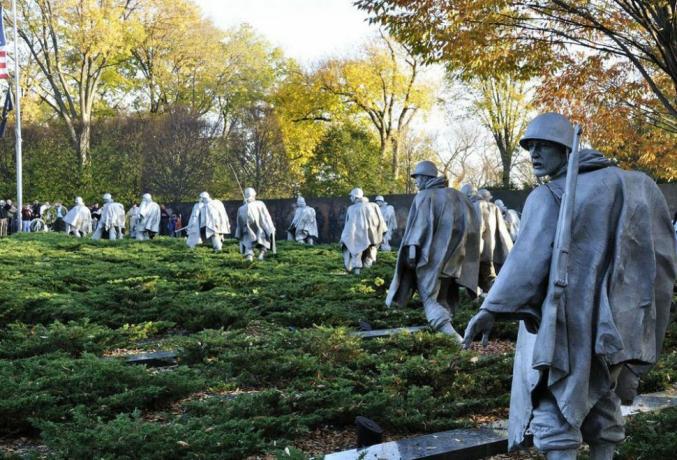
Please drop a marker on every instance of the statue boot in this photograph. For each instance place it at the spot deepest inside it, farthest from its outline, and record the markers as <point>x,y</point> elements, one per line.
<point>602,451</point>
<point>262,254</point>
<point>448,329</point>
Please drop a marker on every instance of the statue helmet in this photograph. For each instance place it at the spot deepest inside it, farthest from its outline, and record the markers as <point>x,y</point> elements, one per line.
<point>379,198</point>
<point>500,205</point>
<point>204,196</point>
<point>425,168</point>
<point>249,193</point>
<point>107,197</point>
<point>78,201</point>
<point>356,193</point>
<point>300,201</point>
<point>484,194</point>
<point>147,197</point>
<point>468,190</point>
<point>551,127</point>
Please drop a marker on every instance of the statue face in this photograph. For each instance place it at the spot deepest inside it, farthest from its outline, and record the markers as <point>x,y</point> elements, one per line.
<point>420,181</point>
<point>547,158</point>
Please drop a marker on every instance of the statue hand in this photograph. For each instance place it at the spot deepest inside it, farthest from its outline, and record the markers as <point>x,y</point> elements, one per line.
<point>482,323</point>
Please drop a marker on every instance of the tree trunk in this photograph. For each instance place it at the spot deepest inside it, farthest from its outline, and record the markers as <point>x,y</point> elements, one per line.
<point>83,147</point>
<point>506,162</point>
<point>396,159</point>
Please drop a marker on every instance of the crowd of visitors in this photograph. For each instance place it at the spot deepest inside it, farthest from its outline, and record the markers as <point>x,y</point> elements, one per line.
<point>44,216</point>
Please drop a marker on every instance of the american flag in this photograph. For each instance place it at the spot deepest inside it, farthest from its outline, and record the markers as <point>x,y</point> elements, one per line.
<point>3,53</point>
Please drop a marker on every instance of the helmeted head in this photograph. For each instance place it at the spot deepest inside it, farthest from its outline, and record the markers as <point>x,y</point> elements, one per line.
<point>425,168</point>
<point>356,194</point>
<point>57,204</point>
<point>78,201</point>
<point>379,200</point>
<point>204,197</point>
<point>147,197</point>
<point>484,194</point>
<point>36,202</point>
<point>9,202</point>
<point>469,190</point>
<point>548,138</point>
<point>300,202</point>
<point>2,202</point>
<point>501,205</point>
<point>107,198</point>
<point>249,194</point>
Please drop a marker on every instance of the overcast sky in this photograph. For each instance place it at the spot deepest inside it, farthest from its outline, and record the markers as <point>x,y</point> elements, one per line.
<point>306,30</point>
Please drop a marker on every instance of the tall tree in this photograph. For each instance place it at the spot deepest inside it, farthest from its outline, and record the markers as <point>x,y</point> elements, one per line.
<point>77,45</point>
<point>179,58</point>
<point>502,104</point>
<point>483,36</point>
<point>384,86</point>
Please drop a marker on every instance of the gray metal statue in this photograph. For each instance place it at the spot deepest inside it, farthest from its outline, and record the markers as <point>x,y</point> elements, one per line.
<point>591,278</point>
<point>255,227</point>
<point>390,217</point>
<point>78,219</point>
<point>111,225</point>
<point>362,233</point>
<point>440,249</point>
<point>208,222</point>
<point>511,218</point>
<point>495,243</point>
<point>303,228</point>
<point>148,219</point>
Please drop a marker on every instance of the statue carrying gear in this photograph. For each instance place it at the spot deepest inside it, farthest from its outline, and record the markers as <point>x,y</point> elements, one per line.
<point>111,224</point>
<point>439,253</point>
<point>255,228</point>
<point>78,219</point>
<point>303,227</point>
<point>594,264</point>
<point>390,218</point>
<point>208,222</point>
<point>362,232</point>
<point>511,218</point>
<point>148,220</point>
<point>495,240</point>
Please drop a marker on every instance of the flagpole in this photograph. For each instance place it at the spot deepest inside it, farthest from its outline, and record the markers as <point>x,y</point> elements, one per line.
<point>17,128</point>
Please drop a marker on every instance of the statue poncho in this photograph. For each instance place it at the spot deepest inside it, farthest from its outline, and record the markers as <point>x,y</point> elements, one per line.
<point>444,227</point>
<point>208,221</point>
<point>495,242</point>
<point>362,233</point>
<point>111,223</point>
<point>303,226</point>
<point>615,307</point>
<point>255,227</point>
<point>78,220</point>
<point>388,212</point>
<point>148,223</point>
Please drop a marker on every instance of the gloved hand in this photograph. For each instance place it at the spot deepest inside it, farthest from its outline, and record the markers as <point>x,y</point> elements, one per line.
<point>482,323</point>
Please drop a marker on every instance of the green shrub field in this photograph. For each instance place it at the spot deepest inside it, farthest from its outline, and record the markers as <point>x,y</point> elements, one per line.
<point>265,356</point>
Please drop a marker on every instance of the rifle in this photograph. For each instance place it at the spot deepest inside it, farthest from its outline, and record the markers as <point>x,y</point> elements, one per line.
<point>546,353</point>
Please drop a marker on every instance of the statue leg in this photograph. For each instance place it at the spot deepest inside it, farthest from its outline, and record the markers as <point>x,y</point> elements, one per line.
<point>262,253</point>
<point>553,435</point>
<point>439,318</point>
<point>76,232</point>
<point>112,234</point>
<point>248,251</point>
<point>217,245</point>
<point>370,256</point>
<point>603,428</point>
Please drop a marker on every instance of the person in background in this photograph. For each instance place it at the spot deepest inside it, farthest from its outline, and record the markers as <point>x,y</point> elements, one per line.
<point>164,219</point>
<point>26,218</point>
<point>171,226</point>
<point>95,210</point>
<point>4,222</point>
<point>57,213</point>
<point>36,209</point>
<point>178,226</point>
<point>11,210</point>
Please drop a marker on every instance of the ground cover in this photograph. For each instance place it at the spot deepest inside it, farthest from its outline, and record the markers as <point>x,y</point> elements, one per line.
<point>265,356</point>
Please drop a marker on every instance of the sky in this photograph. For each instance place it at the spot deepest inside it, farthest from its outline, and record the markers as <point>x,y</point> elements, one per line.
<point>307,30</point>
